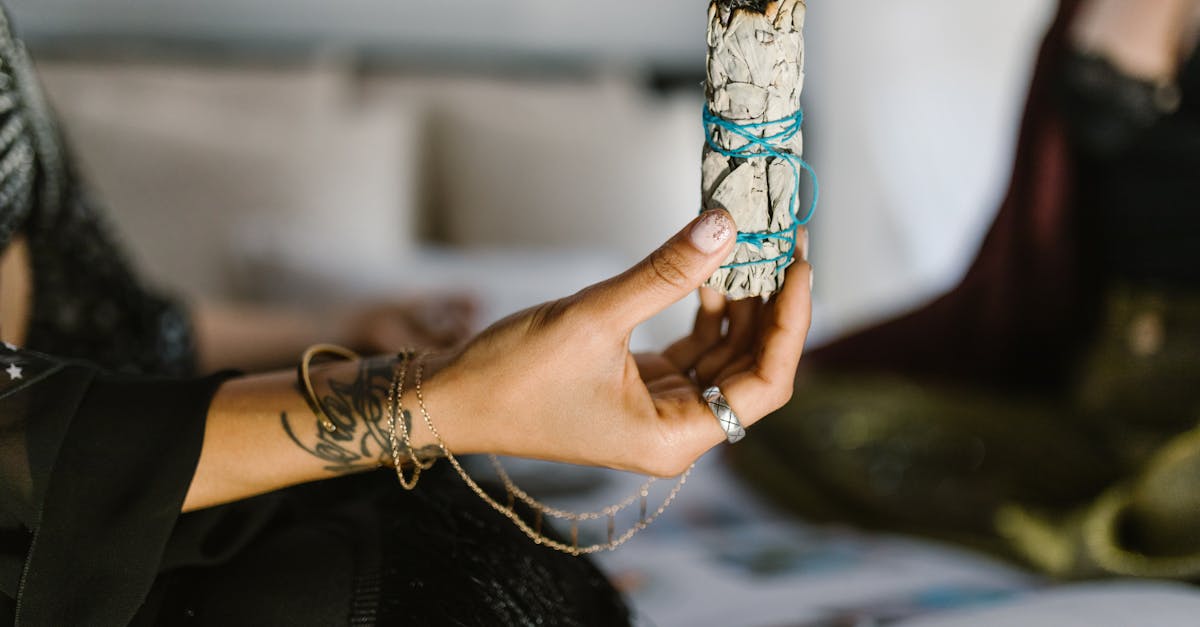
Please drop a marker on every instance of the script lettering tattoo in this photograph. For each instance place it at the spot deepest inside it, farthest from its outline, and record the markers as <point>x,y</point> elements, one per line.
<point>358,408</point>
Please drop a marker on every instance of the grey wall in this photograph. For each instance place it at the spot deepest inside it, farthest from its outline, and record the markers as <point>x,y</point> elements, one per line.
<point>662,31</point>
<point>912,105</point>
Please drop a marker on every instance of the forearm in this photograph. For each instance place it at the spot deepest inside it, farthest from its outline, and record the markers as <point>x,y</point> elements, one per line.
<point>262,436</point>
<point>254,338</point>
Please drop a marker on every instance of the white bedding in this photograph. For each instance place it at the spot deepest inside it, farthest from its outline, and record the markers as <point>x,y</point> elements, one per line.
<point>722,557</point>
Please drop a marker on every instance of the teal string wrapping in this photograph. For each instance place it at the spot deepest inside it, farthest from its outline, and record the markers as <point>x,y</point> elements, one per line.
<point>763,147</point>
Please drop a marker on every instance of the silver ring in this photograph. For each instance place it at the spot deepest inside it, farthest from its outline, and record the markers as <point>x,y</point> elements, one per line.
<point>734,431</point>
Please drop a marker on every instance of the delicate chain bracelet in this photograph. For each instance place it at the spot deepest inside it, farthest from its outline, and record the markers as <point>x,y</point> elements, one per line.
<point>399,433</point>
<point>397,414</point>
<point>534,532</point>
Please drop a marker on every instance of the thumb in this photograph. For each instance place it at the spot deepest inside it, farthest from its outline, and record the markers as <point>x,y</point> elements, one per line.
<point>670,273</point>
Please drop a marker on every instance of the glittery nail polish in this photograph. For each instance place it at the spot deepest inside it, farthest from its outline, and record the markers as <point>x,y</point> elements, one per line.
<point>711,232</point>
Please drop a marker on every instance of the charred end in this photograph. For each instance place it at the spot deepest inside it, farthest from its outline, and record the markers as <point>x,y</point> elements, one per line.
<point>759,6</point>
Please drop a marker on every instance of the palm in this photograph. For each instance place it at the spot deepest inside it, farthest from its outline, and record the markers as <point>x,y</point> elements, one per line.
<point>734,345</point>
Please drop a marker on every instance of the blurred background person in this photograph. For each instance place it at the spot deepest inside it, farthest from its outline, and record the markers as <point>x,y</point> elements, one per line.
<point>1047,407</point>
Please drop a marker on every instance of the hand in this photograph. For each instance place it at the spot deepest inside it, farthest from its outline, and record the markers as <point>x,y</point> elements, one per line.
<point>437,322</point>
<point>558,382</point>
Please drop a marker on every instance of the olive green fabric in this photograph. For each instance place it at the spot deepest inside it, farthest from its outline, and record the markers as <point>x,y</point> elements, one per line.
<point>1103,479</point>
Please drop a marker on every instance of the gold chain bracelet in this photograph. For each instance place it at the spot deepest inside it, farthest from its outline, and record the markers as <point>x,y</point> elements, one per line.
<point>397,414</point>
<point>535,532</point>
<point>393,409</point>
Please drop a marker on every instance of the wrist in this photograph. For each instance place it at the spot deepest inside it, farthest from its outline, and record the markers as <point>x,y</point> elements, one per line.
<point>442,402</point>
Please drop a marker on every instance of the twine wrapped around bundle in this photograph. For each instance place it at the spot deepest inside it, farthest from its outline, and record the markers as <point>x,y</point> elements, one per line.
<point>752,166</point>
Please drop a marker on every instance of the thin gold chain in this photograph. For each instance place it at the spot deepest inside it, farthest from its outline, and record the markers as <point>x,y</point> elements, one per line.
<point>524,497</point>
<point>394,415</point>
<point>535,534</point>
<point>395,389</point>
<point>405,417</point>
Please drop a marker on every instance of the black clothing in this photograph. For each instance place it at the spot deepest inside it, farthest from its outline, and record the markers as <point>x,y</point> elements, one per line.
<point>88,303</point>
<point>361,551</point>
<point>89,468</point>
<point>90,506</point>
<point>1140,143</point>
<point>94,466</point>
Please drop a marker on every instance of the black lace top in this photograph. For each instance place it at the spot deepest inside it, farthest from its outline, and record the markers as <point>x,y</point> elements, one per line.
<point>1140,146</point>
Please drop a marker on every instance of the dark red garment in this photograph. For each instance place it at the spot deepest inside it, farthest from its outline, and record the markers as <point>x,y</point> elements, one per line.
<point>1027,302</point>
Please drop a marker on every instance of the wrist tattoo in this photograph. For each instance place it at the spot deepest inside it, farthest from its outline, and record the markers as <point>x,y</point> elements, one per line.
<point>358,408</point>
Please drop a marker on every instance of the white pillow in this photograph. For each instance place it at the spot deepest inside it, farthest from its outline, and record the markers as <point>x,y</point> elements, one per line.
<point>205,167</point>
<point>597,165</point>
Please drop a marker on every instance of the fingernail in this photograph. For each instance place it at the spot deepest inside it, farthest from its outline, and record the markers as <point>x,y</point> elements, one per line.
<point>711,232</point>
<point>804,246</point>
<point>811,276</point>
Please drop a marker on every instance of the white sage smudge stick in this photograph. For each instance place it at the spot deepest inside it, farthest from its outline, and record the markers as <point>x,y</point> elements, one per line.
<point>755,75</point>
